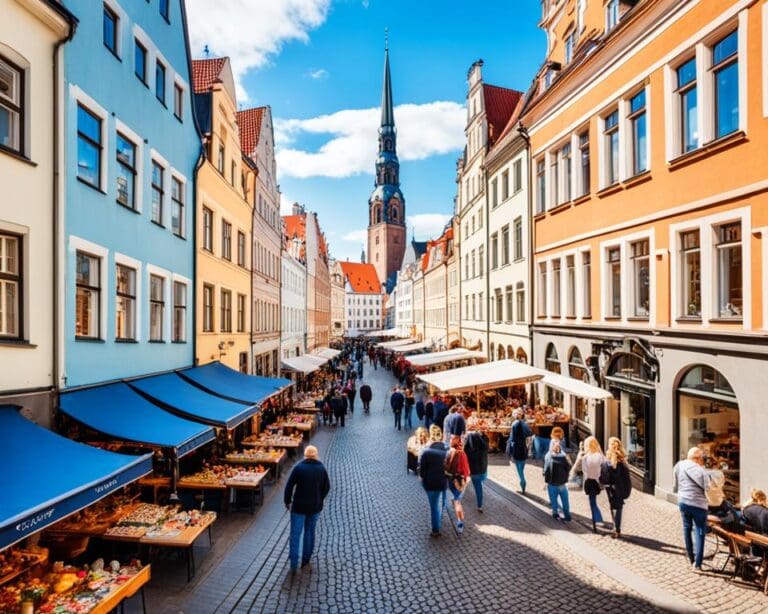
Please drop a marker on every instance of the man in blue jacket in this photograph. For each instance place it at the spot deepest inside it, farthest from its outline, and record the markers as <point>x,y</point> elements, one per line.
<point>307,487</point>
<point>433,479</point>
<point>397,402</point>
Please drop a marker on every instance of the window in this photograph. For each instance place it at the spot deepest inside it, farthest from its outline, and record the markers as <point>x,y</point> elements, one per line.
<point>474,307</point>
<point>495,250</point>
<point>499,306</point>
<point>518,229</point>
<point>110,31</point>
<point>178,101</point>
<point>687,93</point>
<point>10,286</point>
<point>207,308</point>
<point>241,313</point>
<point>232,173</point>
<point>160,81</point>
<point>126,172</point>
<point>641,278</point>
<point>226,311</point>
<point>584,162</point>
<point>504,245</point>
<point>614,282</point>
<point>520,299</point>
<point>207,229</point>
<point>88,296</point>
<point>565,154</point>
<point>570,286</point>
<point>639,133</point>
<point>517,172</point>
<point>556,288</point>
<point>725,72</point>
<point>542,289</point>
<point>157,193</point>
<point>165,7</point>
<point>509,299</point>
<point>494,193</point>
<point>504,186</point>
<point>240,248</point>
<point>690,257</point>
<point>541,187</point>
<point>611,14</point>
<point>140,61</point>
<point>570,43</point>
<point>480,307</point>
<point>729,278</point>
<point>177,207</point>
<point>180,312</point>
<point>480,259</point>
<point>156,307</point>
<point>125,306</point>
<point>11,106</point>
<point>554,177</point>
<point>474,266</point>
<point>88,147</point>
<point>611,148</point>
<point>586,284</point>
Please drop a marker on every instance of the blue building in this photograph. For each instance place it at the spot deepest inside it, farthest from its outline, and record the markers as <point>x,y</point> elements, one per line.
<point>126,233</point>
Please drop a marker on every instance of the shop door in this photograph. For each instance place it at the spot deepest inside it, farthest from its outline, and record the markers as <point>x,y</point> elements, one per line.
<point>612,415</point>
<point>599,430</point>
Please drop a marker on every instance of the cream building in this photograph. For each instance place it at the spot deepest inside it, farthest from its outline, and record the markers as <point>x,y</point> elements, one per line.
<point>418,328</point>
<point>436,289</point>
<point>293,300</point>
<point>363,297</point>
<point>403,302</point>
<point>454,293</point>
<point>338,319</point>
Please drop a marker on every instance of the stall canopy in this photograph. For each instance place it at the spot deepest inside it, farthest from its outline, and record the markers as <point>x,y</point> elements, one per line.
<point>233,385</point>
<point>395,343</point>
<point>303,364</point>
<point>438,358</point>
<point>325,352</point>
<point>411,347</point>
<point>46,477</point>
<point>119,411</point>
<point>571,385</point>
<point>390,332</point>
<point>181,397</point>
<point>482,377</point>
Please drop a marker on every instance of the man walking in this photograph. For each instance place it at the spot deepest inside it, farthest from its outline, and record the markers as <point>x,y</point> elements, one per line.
<point>690,482</point>
<point>305,491</point>
<point>454,424</point>
<point>397,402</point>
<point>366,394</point>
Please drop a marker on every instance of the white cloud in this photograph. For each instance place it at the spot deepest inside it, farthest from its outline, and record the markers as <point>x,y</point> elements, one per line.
<point>356,236</point>
<point>318,74</point>
<point>286,204</point>
<point>427,225</point>
<point>424,130</point>
<point>251,31</point>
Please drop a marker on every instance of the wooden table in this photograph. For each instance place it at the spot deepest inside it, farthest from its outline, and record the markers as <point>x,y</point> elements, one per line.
<point>307,428</point>
<point>125,591</point>
<point>255,487</point>
<point>185,541</point>
<point>277,460</point>
<point>268,443</point>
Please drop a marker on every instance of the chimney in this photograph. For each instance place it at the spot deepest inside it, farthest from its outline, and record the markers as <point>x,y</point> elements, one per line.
<point>297,209</point>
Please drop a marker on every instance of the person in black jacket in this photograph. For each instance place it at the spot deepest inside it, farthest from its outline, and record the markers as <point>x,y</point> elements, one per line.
<point>305,491</point>
<point>339,406</point>
<point>476,449</point>
<point>616,479</point>
<point>397,402</point>
<point>366,394</point>
<point>557,467</point>
<point>432,473</point>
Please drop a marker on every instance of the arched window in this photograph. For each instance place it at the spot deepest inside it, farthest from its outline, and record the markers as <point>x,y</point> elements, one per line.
<point>551,360</point>
<point>394,214</point>
<point>521,356</point>
<point>510,352</point>
<point>378,214</point>
<point>493,355</point>
<point>576,367</point>
<point>502,352</point>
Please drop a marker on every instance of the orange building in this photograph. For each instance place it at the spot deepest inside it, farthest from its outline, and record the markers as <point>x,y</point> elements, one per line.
<point>648,137</point>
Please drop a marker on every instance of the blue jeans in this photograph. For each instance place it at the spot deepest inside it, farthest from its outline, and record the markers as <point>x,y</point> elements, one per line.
<point>302,523</point>
<point>562,492</point>
<point>597,516</point>
<point>520,466</point>
<point>436,504</point>
<point>694,520</point>
<point>477,483</point>
<point>540,446</point>
<point>408,417</point>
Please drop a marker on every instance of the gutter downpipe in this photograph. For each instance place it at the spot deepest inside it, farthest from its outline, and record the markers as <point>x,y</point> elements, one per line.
<point>523,132</point>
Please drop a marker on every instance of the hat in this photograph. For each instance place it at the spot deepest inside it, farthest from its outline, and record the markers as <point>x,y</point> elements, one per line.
<point>310,452</point>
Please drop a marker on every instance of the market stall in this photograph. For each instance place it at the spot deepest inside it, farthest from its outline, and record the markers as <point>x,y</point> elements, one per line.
<point>397,342</point>
<point>447,357</point>
<point>326,352</point>
<point>304,364</point>
<point>487,376</point>
<point>411,347</point>
<point>219,379</point>
<point>390,332</point>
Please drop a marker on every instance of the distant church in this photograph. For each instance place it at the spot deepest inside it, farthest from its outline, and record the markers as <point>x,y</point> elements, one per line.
<point>386,206</point>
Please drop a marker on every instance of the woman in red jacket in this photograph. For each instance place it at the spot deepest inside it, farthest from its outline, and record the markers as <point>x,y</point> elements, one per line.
<point>457,472</point>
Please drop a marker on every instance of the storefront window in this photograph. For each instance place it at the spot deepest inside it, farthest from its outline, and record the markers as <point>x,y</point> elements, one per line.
<point>578,370</point>
<point>634,428</point>
<point>553,397</point>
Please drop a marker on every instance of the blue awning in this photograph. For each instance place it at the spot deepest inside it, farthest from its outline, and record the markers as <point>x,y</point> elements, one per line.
<point>119,411</point>
<point>187,400</point>
<point>223,381</point>
<point>46,477</point>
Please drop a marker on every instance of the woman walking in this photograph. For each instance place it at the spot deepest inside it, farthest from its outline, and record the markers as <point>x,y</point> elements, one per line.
<point>457,471</point>
<point>366,394</point>
<point>410,401</point>
<point>615,477</point>
<point>517,445</point>
<point>476,449</point>
<point>556,470</point>
<point>590,461</point>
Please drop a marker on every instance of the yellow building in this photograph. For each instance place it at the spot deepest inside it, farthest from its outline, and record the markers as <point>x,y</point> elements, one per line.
<point>648,136</point>
<point>224,214</point>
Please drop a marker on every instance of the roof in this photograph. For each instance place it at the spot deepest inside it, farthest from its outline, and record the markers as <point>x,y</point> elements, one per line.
<point>296,226</point>
<point>205,73</point>
<point>361,276</point>
<point>249,121</point>
<point>500,104</point>
<point>420,247</point>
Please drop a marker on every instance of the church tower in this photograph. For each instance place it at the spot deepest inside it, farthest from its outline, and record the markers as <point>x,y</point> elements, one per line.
<point>386,206</point>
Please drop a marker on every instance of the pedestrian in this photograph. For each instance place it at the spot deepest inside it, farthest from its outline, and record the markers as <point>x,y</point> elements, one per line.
<point>557,467</point>
<point>557,436</point>
<point>454,424</point>
<point>590,461</point>
<point>433,479</point>
<point>691,481</point>
<point>441,411</point>
<point>339,405</point>
<point>351,392</point>
<point>409,403</point>
<point>305,491</point>
<point>457,470</point>
<point>327,416</point>
<point>360,367</point>
<point>517,445</point>
<point>397,402</point>
<point>615,477</point>
<point>476,449</point>
<point>366,394</point>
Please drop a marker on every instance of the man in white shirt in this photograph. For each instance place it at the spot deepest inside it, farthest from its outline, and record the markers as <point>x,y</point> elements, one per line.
<point>691,480</point>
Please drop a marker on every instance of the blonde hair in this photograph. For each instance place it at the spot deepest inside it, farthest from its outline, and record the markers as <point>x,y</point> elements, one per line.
<point>757,497</point>
<point>592,445</point>
<point>421,433</point>
<point>558,433</point>
<point>435,433</point>
<point>615,453</point>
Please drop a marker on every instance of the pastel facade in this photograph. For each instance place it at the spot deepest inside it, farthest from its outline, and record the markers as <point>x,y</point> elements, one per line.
<point>404,297</point>
<point>436,289</point>
<point>127,194</point>
<point>363,298</point>
<point>338,318</point>
<point>293,301</point>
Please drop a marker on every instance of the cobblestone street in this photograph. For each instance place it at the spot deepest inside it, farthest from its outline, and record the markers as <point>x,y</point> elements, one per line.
<point>374,553</point>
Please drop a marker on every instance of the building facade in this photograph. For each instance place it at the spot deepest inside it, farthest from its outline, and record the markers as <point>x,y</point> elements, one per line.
<point>454,293</point>
<point>363,297</point>
<point>293,299</point>
<point>650,227</point>
<point>131,146</point>
<point>224,210</point>
<point>258,144</point>
<point>31,82</point>
<point>418,328</point>
<point>403,304</point>
<point>436,289</point>
<point>338,318</point>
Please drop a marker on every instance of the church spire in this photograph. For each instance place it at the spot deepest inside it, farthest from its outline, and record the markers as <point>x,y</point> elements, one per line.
<point>387,112</point>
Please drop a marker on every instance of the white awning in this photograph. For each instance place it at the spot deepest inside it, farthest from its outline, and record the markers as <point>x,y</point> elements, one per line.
<point>326,352</point>
<point>397,342</point>
<point>571,385</point>
<point>391,332</point>
<point>437,358</point>
<point>411,347</point>
<point>483,377</point>
<point>302,364</point>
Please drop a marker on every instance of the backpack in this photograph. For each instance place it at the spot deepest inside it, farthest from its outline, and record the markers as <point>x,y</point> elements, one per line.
<point>618,479</point>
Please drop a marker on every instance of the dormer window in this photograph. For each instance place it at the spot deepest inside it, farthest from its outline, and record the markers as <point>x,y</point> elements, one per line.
<point>570,45</point>
<point>611,15</point>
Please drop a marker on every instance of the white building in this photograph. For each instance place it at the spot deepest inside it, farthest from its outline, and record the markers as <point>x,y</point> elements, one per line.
<point>403,303</point>
<point>293,300</point>
<point>363,298</point>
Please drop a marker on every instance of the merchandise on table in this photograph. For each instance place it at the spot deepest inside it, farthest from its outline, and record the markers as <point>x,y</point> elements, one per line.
<point>146,515</point>
<point>217,475</point>
<point>268,441</point>
<point>256,455</point>
<point>248,477</point>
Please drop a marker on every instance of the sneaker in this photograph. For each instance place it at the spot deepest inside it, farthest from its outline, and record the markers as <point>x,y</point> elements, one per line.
<point>567,519</point>
<point>480,509</point>
<point>460,527</point>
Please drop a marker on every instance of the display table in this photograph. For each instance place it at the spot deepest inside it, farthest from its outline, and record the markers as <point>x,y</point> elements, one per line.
<point>261,455</point>
<point>125,591</point>
<point>291,444</point>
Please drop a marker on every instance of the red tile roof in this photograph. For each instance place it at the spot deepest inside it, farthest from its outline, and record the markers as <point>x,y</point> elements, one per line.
<point>513,120</point>
<point>361,276</point>
<point>296,226</point>
<point>500,104</point>
<point>205,73</point>
<point>249,121</point>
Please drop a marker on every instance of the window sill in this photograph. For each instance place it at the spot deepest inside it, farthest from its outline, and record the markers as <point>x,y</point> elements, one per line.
<point>131,209</point>
<point>162,102</point>
<point>158,224</point>
<point>19,343</point>
<point>17,155</point>
<point>540,215</point>
<point>570,317</point>
<point>559,208</point>
<point>90,339</point>
<point>113,52</point>
<point>638,319</point>
<point>156,341</point>
<point>180,119</point>
<point>637,179</point>
<point>581,199</point>
<point>735,320</point>
<point>589,317</point>
<point>182,237</point>
<point>126,341</point>
<point>689,319</point>
<point>612,318</point>
<point>90,185</point>
<point>713,147</point>
<point>179,342</point>
<point>611,189</point>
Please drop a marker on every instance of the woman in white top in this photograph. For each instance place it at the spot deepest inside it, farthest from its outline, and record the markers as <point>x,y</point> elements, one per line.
<point>590,461</point>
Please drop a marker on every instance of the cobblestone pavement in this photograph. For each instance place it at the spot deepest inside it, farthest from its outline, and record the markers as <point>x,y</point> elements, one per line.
<point>374,553</point>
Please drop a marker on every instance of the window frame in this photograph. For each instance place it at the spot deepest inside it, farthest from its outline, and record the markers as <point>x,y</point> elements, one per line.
<point>18,108</point>
<point>178,101</point>
<point>165,14</point>
<point>636,118</point>
<point>133,169</point>
<point>241,309</point>
<point>140,49</point>
<point>517,225</point>
<point>611,166</point>
<point>157,189</point>
<point>226,240</point>
<point>720,247</point>
<point>132,334</point>
<point>724,64</point>
<point>636,257</point>
<point>685,250</point>
<point>586,283</point>
<point>108,11</point>
<point>160,69</point>
<point>154,303</point>
<point>99,261</point>
<point>179,322</point>
<point>613,290</point>
<point>225,308</point>
<point>178,204</point>
<point>681,93</point>
<point>12,278</point>
<point>585,163</point>
<point>209,307</point>
<point>556,278</point>
<point>207,229</point>
<point>98,146</point>
<point>241,248</point>
<point>504,239</point>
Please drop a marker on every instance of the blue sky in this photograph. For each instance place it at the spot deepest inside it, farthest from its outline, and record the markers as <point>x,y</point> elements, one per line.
<point>319,63</point>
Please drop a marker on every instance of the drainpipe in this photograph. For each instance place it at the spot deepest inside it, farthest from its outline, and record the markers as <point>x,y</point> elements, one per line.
<point>523,132</point>
<point>487,273</point>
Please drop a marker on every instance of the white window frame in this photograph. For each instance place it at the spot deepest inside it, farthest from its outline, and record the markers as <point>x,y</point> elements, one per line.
<point>167,278</point>
<point>122,19</point>
<point>136,265</point>
<point>155,156</point>
<point>138,141</point>
<point>78,96</point>
<point>76,244</point>
<point>626,169</point>
<point>627,278</point>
